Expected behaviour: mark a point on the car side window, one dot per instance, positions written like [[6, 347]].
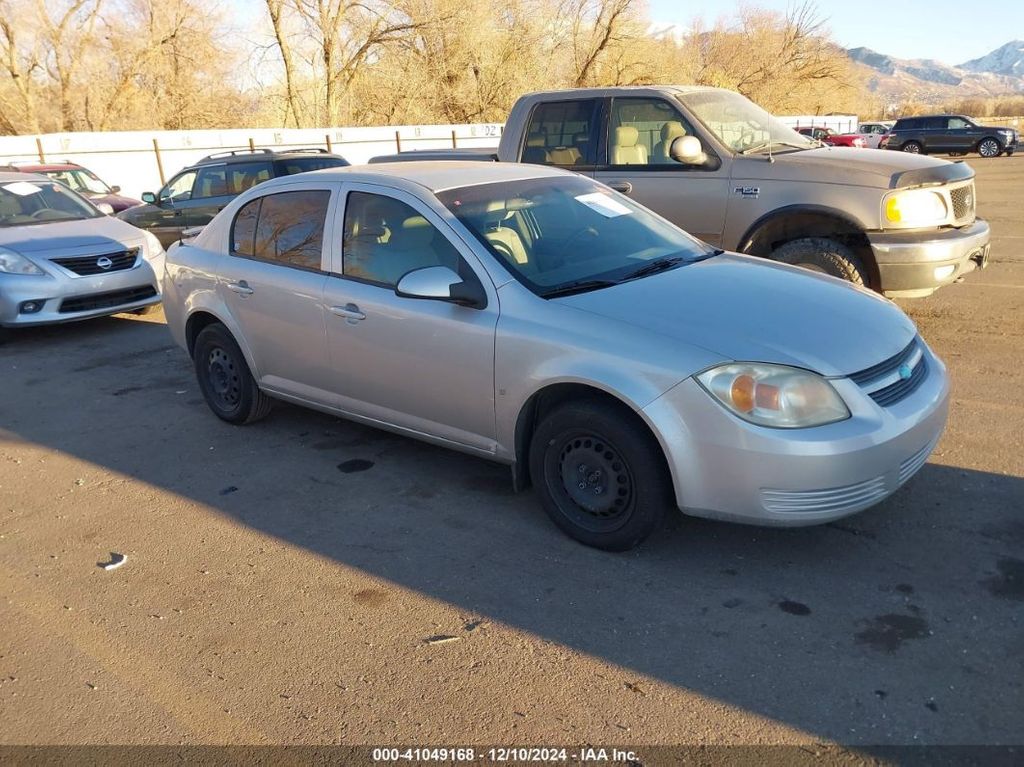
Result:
[[641, 132], [559, 133], [958, 123], [179, 188], [286, 228], [221, 180], [305, 164], [384, 239]]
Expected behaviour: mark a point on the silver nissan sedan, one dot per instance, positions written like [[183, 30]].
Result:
[[62, 259], [535, 317]]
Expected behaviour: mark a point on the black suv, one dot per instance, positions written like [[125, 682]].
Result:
[[197, 193], [952, 134]]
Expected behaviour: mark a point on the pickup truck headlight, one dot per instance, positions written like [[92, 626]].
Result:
[[915, 207], [12, 263], [775, 395]]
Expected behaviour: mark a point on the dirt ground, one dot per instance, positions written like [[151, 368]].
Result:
[[272, 597]]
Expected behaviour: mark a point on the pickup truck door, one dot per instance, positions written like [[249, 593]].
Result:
[[634, 159]]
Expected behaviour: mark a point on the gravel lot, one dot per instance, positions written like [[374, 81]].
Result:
[[271, 595]]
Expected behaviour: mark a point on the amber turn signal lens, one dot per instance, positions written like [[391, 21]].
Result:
[[743, 393]]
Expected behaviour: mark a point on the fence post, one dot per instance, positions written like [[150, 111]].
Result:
[[327, 138], [159, 162], [454, 145], [398, 142], [252, 146], [39, 148]]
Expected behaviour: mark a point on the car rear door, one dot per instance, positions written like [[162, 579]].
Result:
[[272, 282], [634, 160], [422, 365]]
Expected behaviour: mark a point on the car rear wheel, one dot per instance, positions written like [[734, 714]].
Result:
[[224, 378], [600, 474], [820, 254], [913, 147], [989, 147]]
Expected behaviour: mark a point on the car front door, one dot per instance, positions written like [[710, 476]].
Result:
[[961, 134], [636, 162], [165, 217], [272, 282], [422, 365]]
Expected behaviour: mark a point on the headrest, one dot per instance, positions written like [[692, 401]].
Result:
[[671, 130], [414, 232], [535, 141], [626, 135]]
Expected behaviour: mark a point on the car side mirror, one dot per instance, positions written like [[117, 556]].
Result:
[[687, 150], [149, 197], [115, 189], [439, 283], [105, 208]]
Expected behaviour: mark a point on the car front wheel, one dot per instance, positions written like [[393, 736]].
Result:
[[989, 148], [823, 255], [600, 474], [224, 378]]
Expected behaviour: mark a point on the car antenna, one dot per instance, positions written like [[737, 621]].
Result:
[[771, 159]]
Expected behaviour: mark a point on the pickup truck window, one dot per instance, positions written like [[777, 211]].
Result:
[[742, 125], [554, 233], [641, 131], [559, 133]]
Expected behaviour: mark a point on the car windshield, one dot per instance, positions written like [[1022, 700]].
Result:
[[81, 180], [741, 124], [569, 234], [39, 202]]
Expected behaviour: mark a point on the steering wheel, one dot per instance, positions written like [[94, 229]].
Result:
[[43, 214]]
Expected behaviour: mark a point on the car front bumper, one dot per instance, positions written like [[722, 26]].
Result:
[[725, 468], [71, 298], [912, 264]]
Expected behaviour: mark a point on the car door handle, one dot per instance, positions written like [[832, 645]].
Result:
[[621, 186], [348, 311], [241, 288]]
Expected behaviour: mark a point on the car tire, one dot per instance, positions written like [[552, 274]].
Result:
[[821, 254], [989, 147], [600, 474], [913, 147], [224, 378]]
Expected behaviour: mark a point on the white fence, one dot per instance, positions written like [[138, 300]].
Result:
[[141, 161]]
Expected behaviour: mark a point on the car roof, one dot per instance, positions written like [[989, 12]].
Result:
[[435, 175], [245, 155], [11, 177]]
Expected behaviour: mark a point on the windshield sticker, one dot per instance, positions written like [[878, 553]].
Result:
[[604, 204], [22, 188]]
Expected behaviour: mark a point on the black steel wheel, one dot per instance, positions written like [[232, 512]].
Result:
[[600, 474], [224, 378]]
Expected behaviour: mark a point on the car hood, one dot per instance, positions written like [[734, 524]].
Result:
[[116, 201], [747, 309], [851, 167], [104, 231]]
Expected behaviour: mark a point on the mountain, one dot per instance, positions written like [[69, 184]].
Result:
[[1005, 60], [999, 73]]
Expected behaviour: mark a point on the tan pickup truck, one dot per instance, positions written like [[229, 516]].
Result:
[[722, 168]]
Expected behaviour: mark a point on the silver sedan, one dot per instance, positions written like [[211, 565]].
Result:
[[534, 317], [62, 259]]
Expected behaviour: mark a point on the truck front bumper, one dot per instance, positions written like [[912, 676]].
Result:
[[912, 264]]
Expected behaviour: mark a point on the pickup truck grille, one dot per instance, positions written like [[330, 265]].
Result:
[[89, 265], [963, 203]]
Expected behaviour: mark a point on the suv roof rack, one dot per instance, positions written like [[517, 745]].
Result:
[[234, 153], [306, 150]]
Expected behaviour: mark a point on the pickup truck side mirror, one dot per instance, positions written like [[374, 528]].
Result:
[[149, 197], [687, 150], [439, 283]]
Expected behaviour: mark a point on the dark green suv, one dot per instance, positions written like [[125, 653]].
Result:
[[197, 193], [952, 134]]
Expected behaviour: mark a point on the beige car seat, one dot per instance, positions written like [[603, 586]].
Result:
[[626, 150], [670, 131]]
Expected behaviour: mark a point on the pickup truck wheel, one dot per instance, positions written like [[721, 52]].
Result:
[[224, 378], [989, 147], [913, 147], [600, 475], [820, 254]]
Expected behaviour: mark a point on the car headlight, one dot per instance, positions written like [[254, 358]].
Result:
[[152, 248], [775, 395], [12, 263], [916, 207]]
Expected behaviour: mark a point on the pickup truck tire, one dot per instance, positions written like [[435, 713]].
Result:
[[913, 147], [821, 254], [600, 474], [989, 147], [224, 378]]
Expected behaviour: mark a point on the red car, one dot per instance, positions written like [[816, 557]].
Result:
[[83, 181], [830, 137]]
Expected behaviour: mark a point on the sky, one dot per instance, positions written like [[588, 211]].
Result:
[[945, 30]]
